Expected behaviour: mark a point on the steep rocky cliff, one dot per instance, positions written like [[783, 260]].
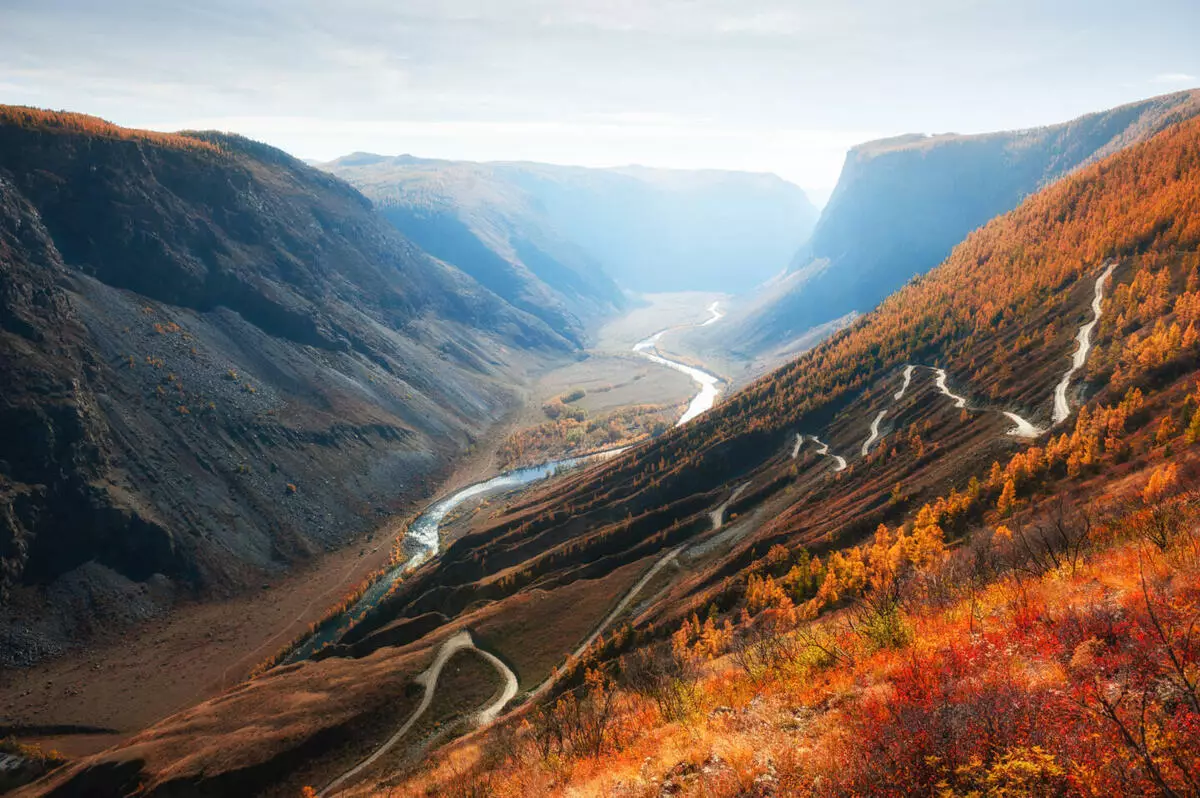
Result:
[[901, 205], [216, 360]]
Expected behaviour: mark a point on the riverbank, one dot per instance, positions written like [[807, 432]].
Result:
[[122, 682], [423, 537], [126, 680]]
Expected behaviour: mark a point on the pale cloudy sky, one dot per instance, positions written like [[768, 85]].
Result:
[[764, 85]]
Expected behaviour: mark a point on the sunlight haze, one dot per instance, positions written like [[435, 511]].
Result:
[[763, 85]]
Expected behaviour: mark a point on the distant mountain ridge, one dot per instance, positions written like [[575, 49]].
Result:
[[580, 229], [901, 204], [491, 231]]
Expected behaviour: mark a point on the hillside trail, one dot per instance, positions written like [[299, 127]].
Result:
[[703, 401], [866, 447], [1062, 408], [428, 679], [717, 519], [839, 462], [717, 516], [1023, 427]]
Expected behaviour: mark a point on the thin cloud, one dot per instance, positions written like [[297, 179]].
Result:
[[779, 85], [1174, 77]]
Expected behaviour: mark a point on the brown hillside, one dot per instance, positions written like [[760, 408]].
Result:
[[826, 638]]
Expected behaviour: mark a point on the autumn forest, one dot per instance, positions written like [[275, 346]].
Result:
[[381, 476], [1026, 629]]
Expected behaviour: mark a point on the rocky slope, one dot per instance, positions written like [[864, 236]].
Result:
[[216, 360], [991, 331], [522, 228], [901, 204]]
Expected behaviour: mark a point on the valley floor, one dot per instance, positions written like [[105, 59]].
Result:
[[614, 376], [127, 679], [614, 396], [123, 682]]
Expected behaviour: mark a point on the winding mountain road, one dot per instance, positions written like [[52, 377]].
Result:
[[866, 447], [425, 535], [428, 679], [908, 372], [940, 381], [839, 462], [1023, 427], [492, 710], [703, 401], [1062, 408], [717, 517], [621, 606]]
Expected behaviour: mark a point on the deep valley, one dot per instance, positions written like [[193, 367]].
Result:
[[403, 476]]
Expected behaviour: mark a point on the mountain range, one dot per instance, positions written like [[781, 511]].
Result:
[[201, 337], [948, 549], [222, 361], [901, 204], [649, 230]]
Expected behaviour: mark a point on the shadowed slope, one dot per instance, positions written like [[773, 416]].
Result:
[[901, 204], [217, 360]]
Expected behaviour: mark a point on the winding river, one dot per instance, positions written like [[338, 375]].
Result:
[[424, 535], [707, 397], [716, 315]]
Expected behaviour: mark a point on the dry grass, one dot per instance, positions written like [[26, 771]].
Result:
[[990, 692], [535, 629]]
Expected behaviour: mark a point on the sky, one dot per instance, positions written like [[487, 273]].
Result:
[[758, 85]]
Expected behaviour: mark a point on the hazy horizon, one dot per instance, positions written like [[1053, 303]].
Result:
[[759, 86]]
